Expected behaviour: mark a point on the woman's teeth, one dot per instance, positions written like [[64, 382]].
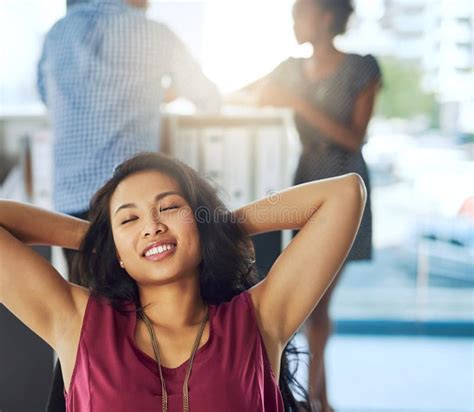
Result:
[[159, 249]]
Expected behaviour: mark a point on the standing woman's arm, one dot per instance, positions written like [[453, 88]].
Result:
[[328, 212], [29, 286], [350, 136]]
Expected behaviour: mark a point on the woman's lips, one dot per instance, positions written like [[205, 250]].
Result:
[[160, 256], [157, 244]]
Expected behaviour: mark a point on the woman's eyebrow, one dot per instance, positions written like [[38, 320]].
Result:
[[158, 197]]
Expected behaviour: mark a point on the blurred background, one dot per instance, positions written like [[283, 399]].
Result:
[[404, 322]]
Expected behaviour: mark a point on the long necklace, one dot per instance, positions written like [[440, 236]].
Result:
[[154, 342]]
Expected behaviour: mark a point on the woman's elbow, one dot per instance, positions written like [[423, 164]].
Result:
[[356, 189]]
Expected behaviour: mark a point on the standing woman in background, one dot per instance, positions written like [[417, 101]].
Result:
[[332, 94]]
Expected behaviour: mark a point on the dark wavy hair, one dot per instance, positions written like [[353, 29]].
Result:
[[341, 10], [228, 259]]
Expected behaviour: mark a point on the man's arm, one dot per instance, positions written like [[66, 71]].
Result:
[[40, 76], [187, 77]]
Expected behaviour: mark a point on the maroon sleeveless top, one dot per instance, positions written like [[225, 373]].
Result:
[[231, 372]]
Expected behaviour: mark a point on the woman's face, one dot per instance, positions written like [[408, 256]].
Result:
[[310, 22], [154, 229]]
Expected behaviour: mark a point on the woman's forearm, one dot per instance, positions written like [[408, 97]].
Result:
[[346, 136], [33, 225], [293, 207], [349, 136]]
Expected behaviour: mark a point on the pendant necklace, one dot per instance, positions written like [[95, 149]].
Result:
[[154, 342]]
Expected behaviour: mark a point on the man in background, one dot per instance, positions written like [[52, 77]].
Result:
[[101, 77]]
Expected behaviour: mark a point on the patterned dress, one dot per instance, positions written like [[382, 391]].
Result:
[[321, 158]]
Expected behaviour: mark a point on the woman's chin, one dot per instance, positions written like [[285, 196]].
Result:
[[160, 278]]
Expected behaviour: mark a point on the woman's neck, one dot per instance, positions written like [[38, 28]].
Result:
[[324, 51], [178, 304]]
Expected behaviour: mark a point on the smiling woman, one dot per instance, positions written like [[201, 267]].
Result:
[[170, 312], [157, 227]]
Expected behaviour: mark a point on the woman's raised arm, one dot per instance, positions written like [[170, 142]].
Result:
[[328, 212], [29, 286], [35, 226]]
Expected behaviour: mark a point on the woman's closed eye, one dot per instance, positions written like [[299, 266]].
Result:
[[130, 219], [164, 209]]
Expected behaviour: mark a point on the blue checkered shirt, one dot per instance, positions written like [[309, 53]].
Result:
[[100, 75]]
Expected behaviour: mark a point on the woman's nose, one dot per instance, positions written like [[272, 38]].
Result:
[[153, 225]]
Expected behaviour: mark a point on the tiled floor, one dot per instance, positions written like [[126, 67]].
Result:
[[400, 374]]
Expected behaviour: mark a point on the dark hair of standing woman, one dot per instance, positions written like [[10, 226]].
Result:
[[341, 10], [227, 267]]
